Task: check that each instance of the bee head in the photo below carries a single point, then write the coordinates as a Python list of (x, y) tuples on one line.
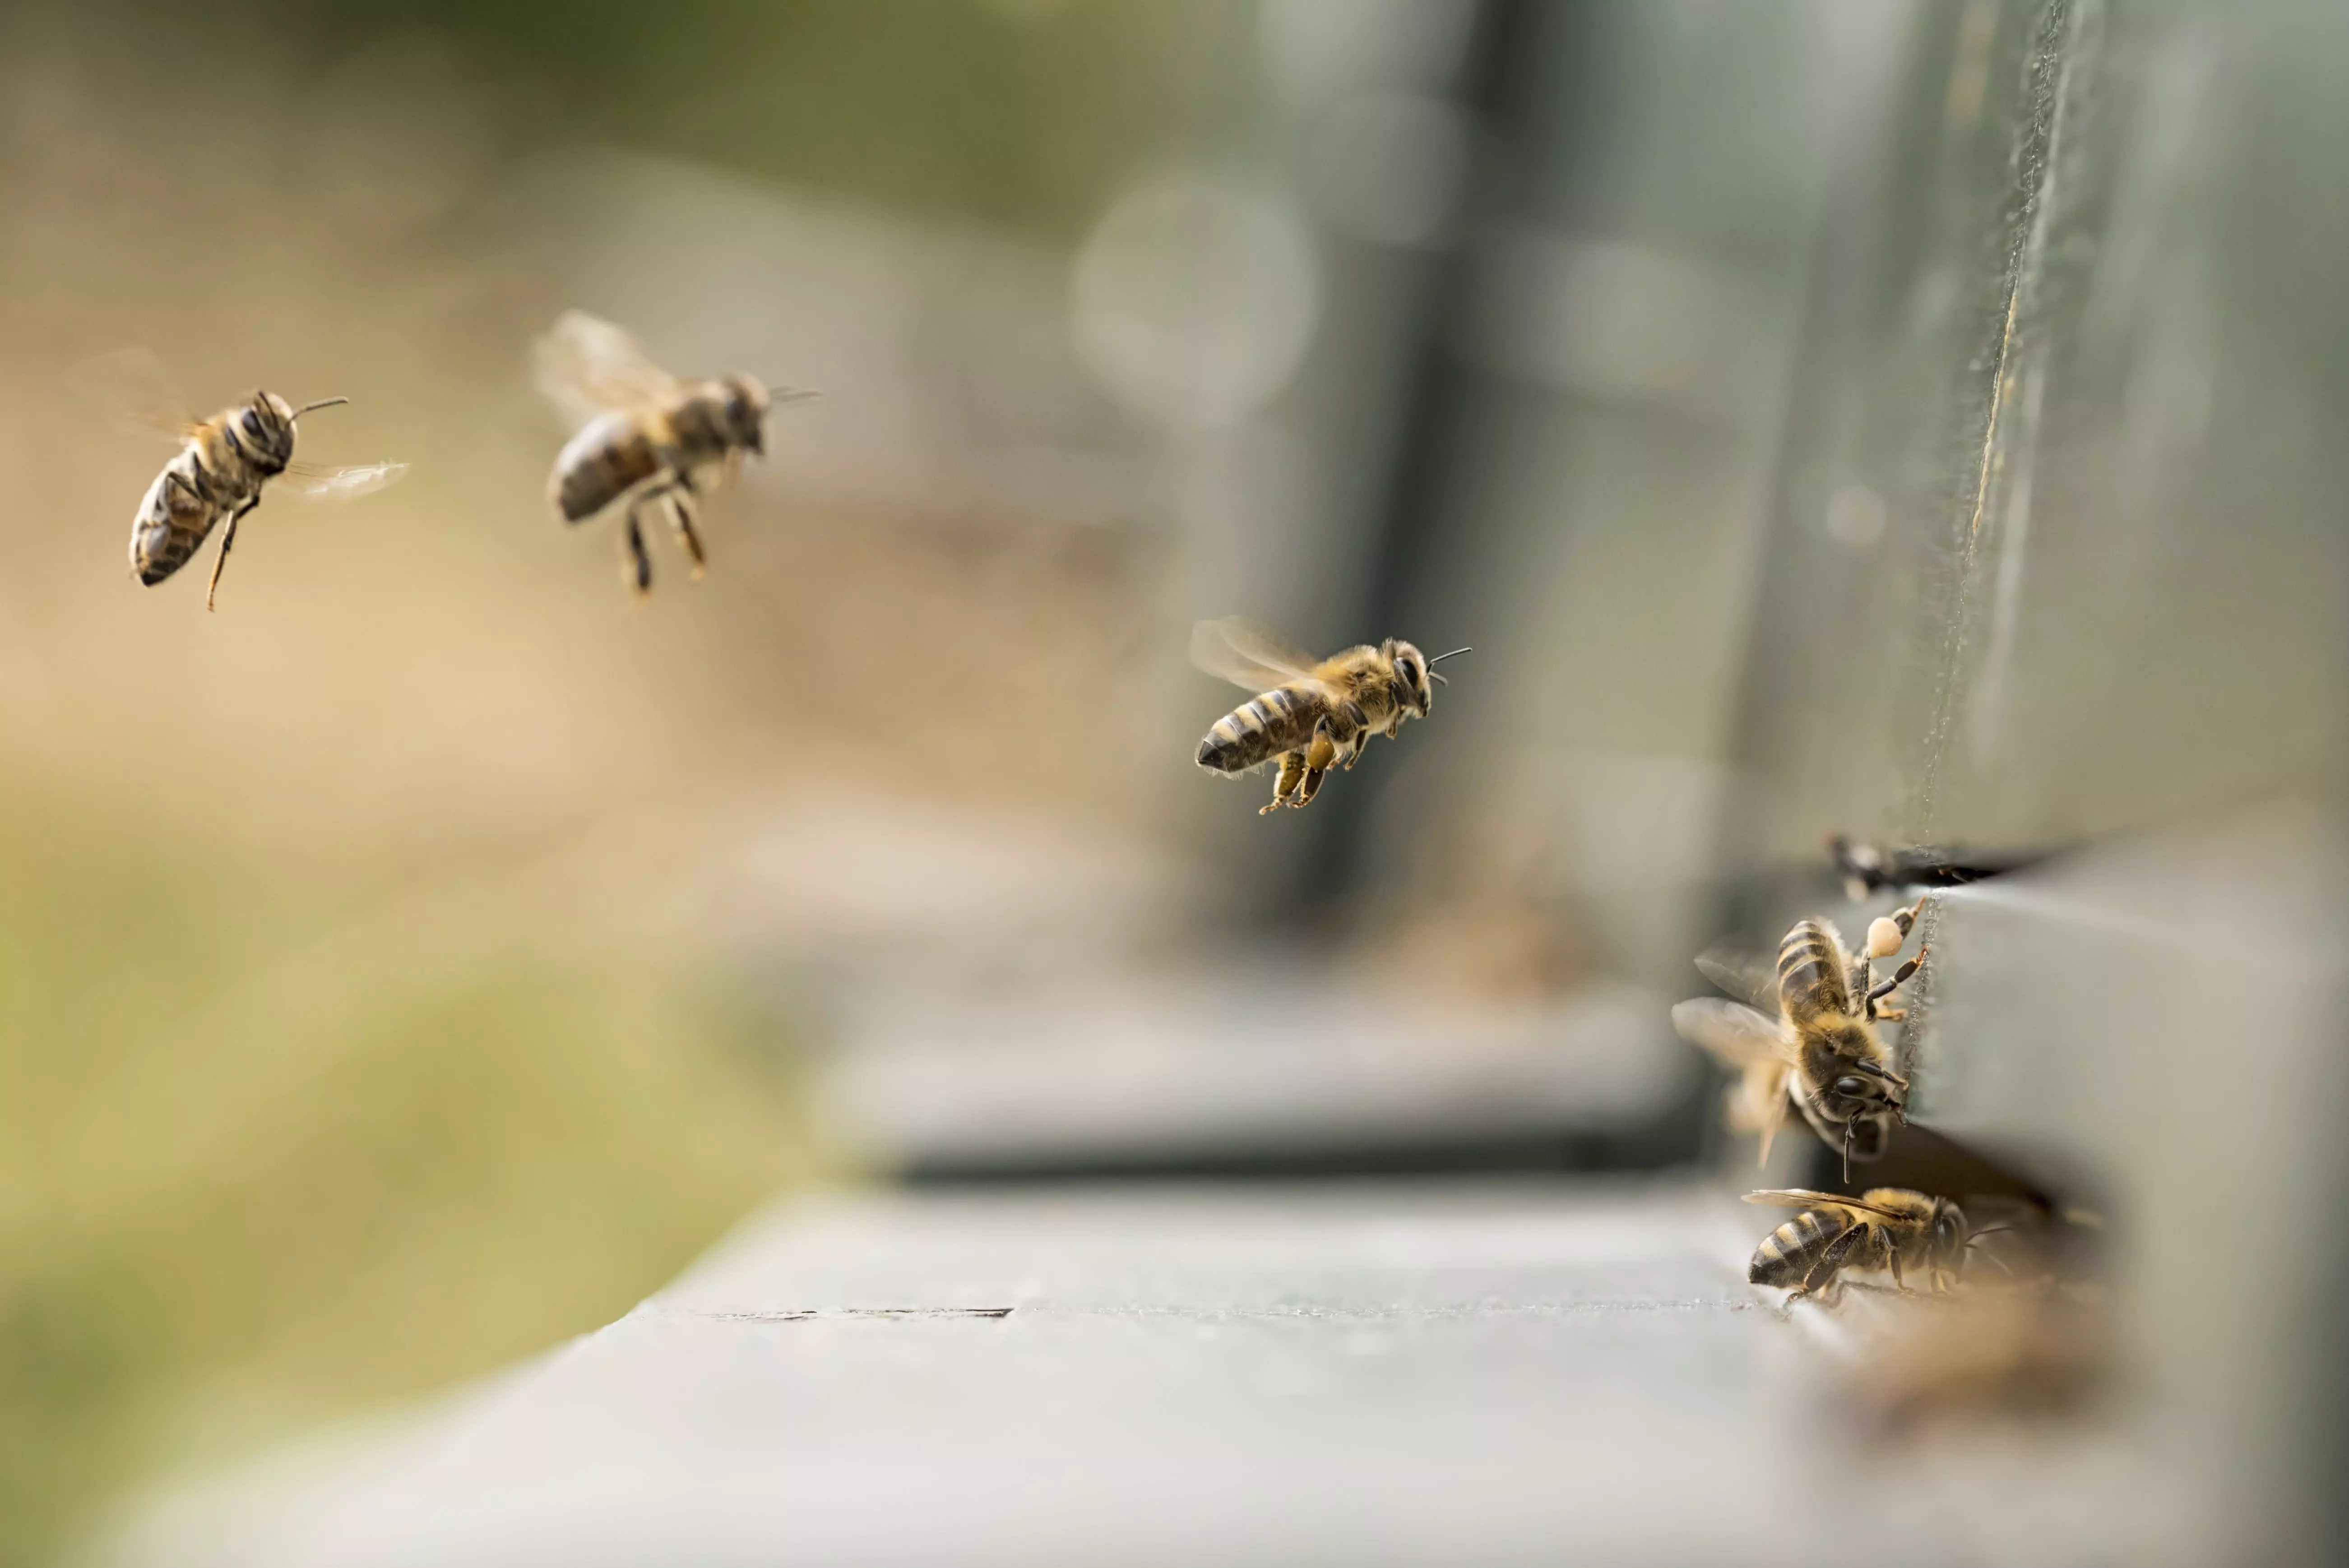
[(264, 429), (1416, 673), (744, 401), (1861, 1088)]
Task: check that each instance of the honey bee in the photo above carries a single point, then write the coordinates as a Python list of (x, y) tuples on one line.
[(644, 440), (1890, 1229), (1821, 1051), (1311, 715), (223, 461)]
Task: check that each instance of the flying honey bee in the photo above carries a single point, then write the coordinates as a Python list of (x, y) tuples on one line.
[(1311, 715), (645, 440), (223, 461), (1821, 1051), (1889, 1230)]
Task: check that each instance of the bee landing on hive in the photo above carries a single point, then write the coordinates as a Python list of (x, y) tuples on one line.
[(1889, 1230), (645, 441), (1808, 1037), (1309, 715), (223, 462)]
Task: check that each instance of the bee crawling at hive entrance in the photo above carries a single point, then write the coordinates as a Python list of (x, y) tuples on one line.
[(1309, 715), (223, 462), (1808, 1037), (645, 441), (1889, 1230)]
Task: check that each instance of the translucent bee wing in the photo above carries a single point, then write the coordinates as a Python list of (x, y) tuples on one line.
[(587, 366), (341, 484), (134, 391), (1245, 655), (1733, 1032), (1742, 975), (1758, 1104), (1803, 1198)]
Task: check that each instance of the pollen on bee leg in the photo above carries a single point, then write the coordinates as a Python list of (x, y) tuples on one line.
[(1884, 937)]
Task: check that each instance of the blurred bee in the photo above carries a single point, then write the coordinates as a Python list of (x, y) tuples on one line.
[(1891, 1229), (644, 440), (1311, 715), (2037, 1350), (1871, 868), (1821, 1051), (223, 462)]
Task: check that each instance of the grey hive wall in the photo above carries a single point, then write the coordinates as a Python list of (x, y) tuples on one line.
[(2058, 564)]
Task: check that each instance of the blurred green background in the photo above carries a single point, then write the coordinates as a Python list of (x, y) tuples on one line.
[(339, 1054)]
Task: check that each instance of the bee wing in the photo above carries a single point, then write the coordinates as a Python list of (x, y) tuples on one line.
[(1804, 1198), (1735, 1034), (587, 366), (340, 484), (1742, 975), (1245, 655), (134, 391), (1758, 1104)]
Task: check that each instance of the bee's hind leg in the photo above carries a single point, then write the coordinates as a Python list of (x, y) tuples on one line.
[(636, 561), (228, 542), (1286, 782)]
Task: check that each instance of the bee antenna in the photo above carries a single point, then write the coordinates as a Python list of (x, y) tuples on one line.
[(792, 395), (1452, 654), (321, 403)]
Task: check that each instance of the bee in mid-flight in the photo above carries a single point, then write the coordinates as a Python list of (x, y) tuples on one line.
[(222, 464), (1890, 1230), (1312, 715), (1820, 1052), (645, 441)]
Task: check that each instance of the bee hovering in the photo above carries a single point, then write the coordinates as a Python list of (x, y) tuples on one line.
[(644, 440), (1821, 1051), (1890, 1229), (1311, 715), (222, 464)]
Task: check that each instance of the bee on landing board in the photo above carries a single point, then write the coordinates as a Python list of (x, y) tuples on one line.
[(1311, 715), (645, 441), (1819, 1051), (223, 461), (1889, 1230)]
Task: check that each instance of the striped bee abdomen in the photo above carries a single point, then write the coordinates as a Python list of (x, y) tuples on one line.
[(1787, 1253), (1260, 730), (173, 520), (608, 458), (1811, 978)]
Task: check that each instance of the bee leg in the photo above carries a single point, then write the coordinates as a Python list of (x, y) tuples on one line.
[(1899, 977), (1886, 935), (681, 516), (1357, 735), (1321, 755), (636, 563), (1823, 1274), (228, 542), (1286, 782)]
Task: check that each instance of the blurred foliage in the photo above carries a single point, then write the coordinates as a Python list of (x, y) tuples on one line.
[(374, 1162)]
